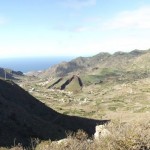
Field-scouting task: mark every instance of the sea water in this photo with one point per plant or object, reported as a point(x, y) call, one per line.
point(31, 64)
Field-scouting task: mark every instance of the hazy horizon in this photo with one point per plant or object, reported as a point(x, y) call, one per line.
point(31, 64)
point(27, 64)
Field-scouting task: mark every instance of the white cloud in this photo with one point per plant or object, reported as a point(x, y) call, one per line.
point(77, 4)
point(133, 19)
point(137, 19)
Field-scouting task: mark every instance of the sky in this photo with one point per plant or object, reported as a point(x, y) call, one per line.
point(39, 28)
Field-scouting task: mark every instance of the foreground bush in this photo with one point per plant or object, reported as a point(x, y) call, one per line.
point(124, 136)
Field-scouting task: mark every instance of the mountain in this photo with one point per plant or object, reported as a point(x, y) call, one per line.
point(77, 65)
point(118, 60)
point(9, 74)
point(23, 117)
point(103, 66)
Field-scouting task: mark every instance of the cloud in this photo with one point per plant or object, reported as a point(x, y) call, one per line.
point(128, 20)
point(77, 4)
point(137, 19)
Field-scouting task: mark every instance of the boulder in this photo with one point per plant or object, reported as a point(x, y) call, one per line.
point(101, 131)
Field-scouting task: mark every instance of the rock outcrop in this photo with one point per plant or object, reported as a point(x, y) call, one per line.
point(101, 131)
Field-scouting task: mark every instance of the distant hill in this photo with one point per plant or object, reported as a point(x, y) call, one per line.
point(73, 83)
point(10, 74)
point(23, 117)
point(103, 67)
point(119, 62)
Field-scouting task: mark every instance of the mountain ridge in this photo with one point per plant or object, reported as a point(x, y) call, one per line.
point(80, 65)
point(9, 74)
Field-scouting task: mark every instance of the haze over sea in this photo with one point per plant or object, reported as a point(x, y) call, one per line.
point(31, 64)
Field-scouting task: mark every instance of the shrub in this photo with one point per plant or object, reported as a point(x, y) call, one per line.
point(133, 135)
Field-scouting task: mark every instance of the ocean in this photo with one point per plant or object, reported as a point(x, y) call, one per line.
point(31, 64)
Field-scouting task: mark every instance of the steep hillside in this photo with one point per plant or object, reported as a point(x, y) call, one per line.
point(9, 74)
point(23, 117)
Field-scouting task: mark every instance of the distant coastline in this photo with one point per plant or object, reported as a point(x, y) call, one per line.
point(31, 64)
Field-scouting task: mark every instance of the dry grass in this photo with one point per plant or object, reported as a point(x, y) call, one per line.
point(124, 136)
point(128, 132)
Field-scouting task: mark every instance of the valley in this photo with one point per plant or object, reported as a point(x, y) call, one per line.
point(119, 87)
point(102, 87)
